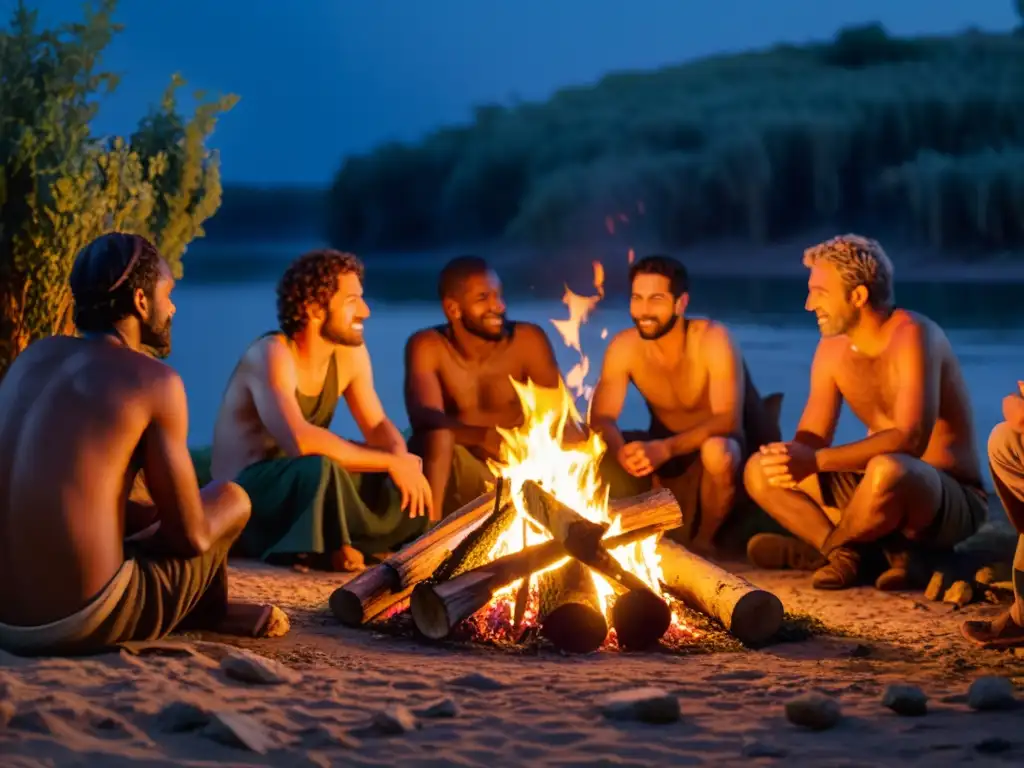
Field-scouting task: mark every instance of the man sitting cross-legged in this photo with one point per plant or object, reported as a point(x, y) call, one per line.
point(704, 409)
point(457, 381)
point(82, 566)
point(316, 497)
point(913, 485)
point(1006, 461)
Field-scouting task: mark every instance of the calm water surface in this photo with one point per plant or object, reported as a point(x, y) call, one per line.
point(215, 323)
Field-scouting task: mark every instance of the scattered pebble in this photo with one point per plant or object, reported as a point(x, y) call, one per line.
point(936, 586)
point(394, 721)
point(237, 730)
point(960, 593)
point(248, 667)
point(181, 716)
point(438, 709)
point(646, 705)
point(993, 745)
point(991, 693)
point(813, 710)
point(906, 700)
point(477, 681)
point(760, 749)
point(329, 736)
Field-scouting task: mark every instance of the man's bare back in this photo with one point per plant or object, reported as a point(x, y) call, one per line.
point(72, 414)
point(869, 385)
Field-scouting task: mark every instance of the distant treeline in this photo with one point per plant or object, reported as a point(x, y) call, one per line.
point(924, 135)
point(268, 213)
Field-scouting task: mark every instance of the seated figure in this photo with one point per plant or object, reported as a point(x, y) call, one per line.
point(879, 508)
point(88, 558)
point(457, 381)
point(317, 498)
point(706, 415)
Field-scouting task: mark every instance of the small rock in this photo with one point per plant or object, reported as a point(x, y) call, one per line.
point(993, 745)
point(237, 730)
point(477, 681)
point(181, 716)
point(813, 710)
point(906, 700)
point(646, 705)
point(960, 593)
point(861, 651)
point(439, 708)
point(990, 574)
point(760, 749)
point(394, 721)
point(991, 692)
point(6, 713)
point(936, 586)
point(324, 736)
point(249, 667)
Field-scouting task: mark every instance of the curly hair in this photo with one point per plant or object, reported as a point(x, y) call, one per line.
point(106, 274)
point(312, 279)
point(859, 260)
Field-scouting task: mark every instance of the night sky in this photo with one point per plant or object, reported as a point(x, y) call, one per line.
point(320, 79)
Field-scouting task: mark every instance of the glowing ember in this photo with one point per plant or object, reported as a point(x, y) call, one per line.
point(631, 256)
point(535, 451)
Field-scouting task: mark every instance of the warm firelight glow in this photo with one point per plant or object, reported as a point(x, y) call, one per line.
point(535, 451)
point(580, 308)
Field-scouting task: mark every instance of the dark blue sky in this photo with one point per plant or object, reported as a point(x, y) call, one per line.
point(320, 79)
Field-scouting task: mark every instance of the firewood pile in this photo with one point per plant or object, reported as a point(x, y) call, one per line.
point(450, 573)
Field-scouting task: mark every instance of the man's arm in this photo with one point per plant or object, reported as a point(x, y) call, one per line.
point(914, 413)
point(171, 477)
point(272, 381)
point(725, 394)
point(367, 409)
point(817, 427)
point(610, 394)
point(1013, 411)
point(424, 396)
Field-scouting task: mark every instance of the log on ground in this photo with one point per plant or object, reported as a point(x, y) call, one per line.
point(569, 612)
point(752, 615)
point(382, 586)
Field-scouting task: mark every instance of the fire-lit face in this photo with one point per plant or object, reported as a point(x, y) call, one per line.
point(835, 307)
point(346, 312)
point(479, 306)
point(156, 321)
point(653, 307)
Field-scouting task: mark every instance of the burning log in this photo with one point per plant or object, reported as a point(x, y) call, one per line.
point(752, 615)
point(378, 588)
point(570, 610)
point(649, 508)
point(437, 607)
point(580, 537)
point(475, 548)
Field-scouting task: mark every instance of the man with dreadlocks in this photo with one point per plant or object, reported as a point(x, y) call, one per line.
point(912, 487)
point(86, 564)
point(317, 499)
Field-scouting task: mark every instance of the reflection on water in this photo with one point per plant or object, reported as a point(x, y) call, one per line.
point(214, 324)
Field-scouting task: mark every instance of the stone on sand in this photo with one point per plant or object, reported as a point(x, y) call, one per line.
point(906, 700)
point(328, 736)
point(991, 692)
point(437, 709)
point(248, 667)
point(646, 705)
point(478, 682)
point(960, 593)
point(237, 730)
point(393, 721)
point(760, 749)
point(182, 715)
point(936, 586)
point(815, 711)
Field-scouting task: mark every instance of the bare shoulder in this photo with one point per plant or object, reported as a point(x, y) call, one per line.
point(424, 349)
point(623, 348)
point(530, 336)
point(914, 329)
point(715, 336)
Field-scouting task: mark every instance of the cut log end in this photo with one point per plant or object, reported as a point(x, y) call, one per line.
point(640, 618)
point(429, 613)
point(756, 617)
point(575, 628)
point(347, 608)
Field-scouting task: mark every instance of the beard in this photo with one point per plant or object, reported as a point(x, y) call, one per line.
point(482, 330)
point(837, 325)
point(659, 330)
point(335, 333)
point(157, 338)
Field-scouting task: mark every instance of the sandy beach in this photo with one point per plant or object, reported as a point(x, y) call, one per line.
point(328, 695)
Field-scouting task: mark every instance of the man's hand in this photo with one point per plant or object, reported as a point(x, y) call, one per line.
point(407, 473)
point(642, 458)
point(785, 465)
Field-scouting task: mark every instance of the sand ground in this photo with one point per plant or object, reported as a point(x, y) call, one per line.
point(536, 708)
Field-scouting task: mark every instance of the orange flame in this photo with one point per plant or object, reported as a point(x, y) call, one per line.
point(580, 308)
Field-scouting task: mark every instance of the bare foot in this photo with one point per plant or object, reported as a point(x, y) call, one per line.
point(348, 560)
point(254, 620)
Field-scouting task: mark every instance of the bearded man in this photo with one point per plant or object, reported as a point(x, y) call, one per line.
point(316, 497)
point(458, 381)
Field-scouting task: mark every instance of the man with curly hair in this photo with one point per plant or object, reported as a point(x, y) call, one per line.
point(87, 561)
point(317, 497)
point(458, 388)
point(910, 489)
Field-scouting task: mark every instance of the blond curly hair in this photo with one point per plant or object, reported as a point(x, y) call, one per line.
point(859, 261)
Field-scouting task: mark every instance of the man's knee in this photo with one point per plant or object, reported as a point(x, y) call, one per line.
point(1004, 447)
point(721, 458)
point(887, 473)
point(754, 480)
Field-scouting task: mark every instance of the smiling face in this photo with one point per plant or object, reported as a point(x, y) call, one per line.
point(346, 312)
point(478, 306)
point(652, 306)
point(835, 306)
point(157, 312)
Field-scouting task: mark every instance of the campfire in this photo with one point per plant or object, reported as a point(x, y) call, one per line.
point(547, 550)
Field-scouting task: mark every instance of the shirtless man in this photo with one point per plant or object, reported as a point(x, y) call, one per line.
point(913, 484)
point(457, 387)
point(317, 497)
point(79, 419)
point(691, 375)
